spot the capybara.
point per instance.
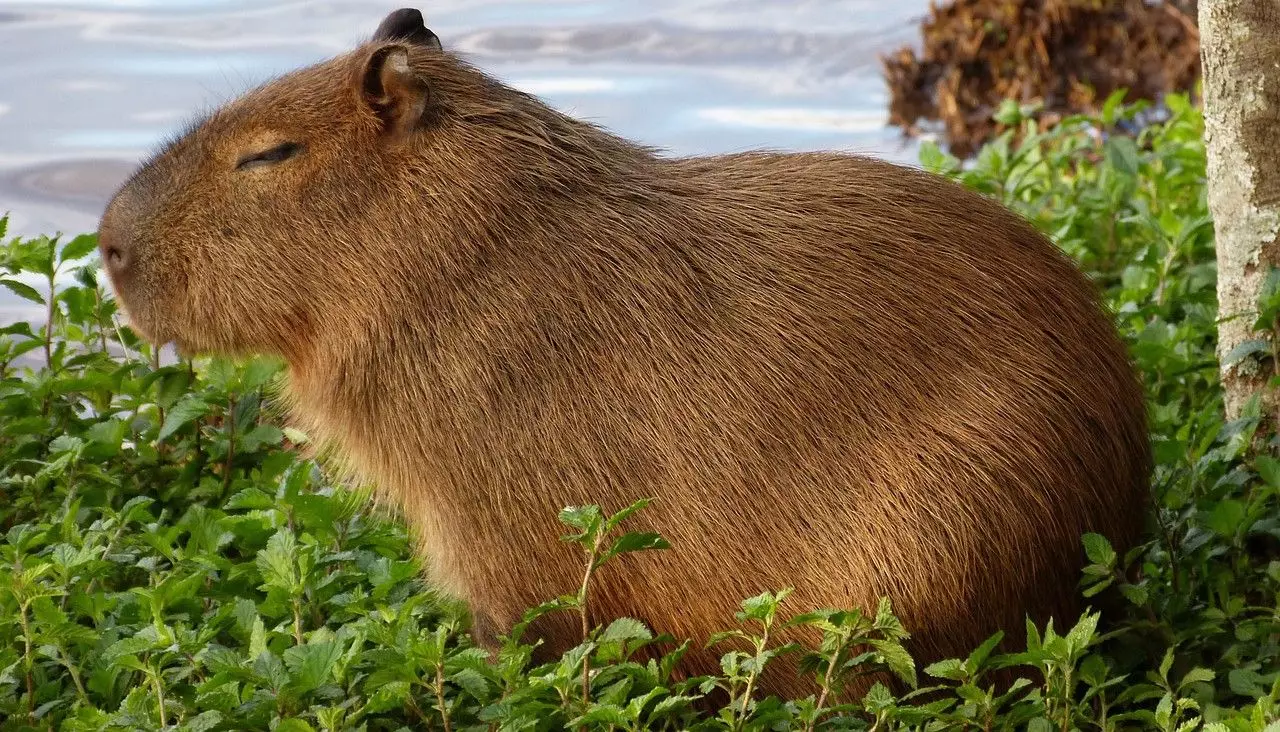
(832, 373)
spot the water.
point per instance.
(87, 88)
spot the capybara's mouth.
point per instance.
(145, 328)
(126, 316)
(157, 325)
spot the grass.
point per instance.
(168, 561)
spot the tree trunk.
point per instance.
(1240, 55)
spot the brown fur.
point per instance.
(833, 373)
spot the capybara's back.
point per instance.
(833, 374)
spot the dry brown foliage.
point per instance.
(1067, 55)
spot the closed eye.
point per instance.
(283, 151)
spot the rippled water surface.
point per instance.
(87, 88)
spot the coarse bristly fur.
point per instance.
(833, 373)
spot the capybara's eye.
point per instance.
(283, 151)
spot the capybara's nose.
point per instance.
(114, 248)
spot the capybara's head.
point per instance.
(248, 232)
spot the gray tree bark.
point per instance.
(1240, 56)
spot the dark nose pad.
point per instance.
(115, 252)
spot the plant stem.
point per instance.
(583, 615)
(1066, 699)
(444, 712)
(297, 620)
(231, 445)
(28, 662)
(826, 687)
(75, 674)
(751, 679)
(48, 342)
(106, 552)
(413, 704)
(51, 312)
(582, 592)
(115, 324)
(199, 431)
(102, 328)
(159, 687)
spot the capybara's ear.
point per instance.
(406, 25)
(395, 92)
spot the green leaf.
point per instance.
(670, 706)
(586, 519)
(187, 410)
(246, 411)
(886, 621)
(934, 160)
(1093, 590)
(23, 290)
(1135, 594)
(1197, 675)
(173, 386)
(626, 629)
(64, 444)
(258, 638)
(1226, 517)
(1008, 113)
(272, 670)
(312, 665)
(604, 714)
(1122, 154)
(79, 247)
(258, 372)
(636, 542)
(262, 435)
(129, 646)
(278, 561)
(616, 519)
(1166, 663)
(1245, 682)
(1079, 637)
(1112, 105)
(204, 722)
(87, 277)
(580, 517)
(294, 724)
(979, 656)
(1094, 670)
(760, 607)
(388, 696)
(471, 681)
(1098, 549)
(110, 433)
(1268, 469)
(951, 668)
(296, 436)
(897, 659)
(1039, 724)
(221, 374)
